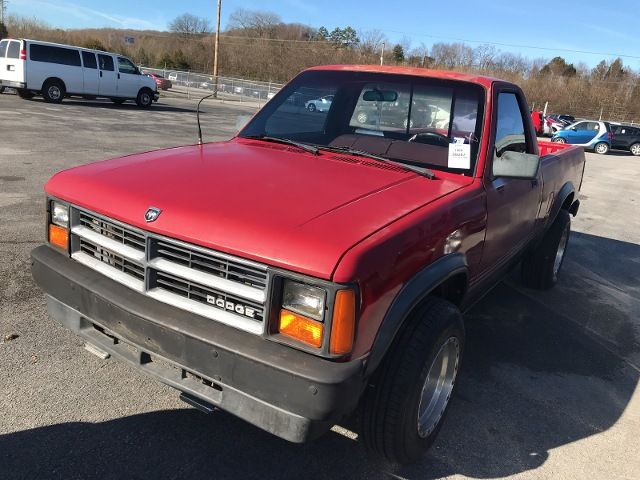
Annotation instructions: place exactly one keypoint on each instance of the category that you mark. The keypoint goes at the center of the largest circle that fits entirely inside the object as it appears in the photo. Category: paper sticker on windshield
(459, 155)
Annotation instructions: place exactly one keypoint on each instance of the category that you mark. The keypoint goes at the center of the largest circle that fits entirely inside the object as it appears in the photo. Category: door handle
(534, 182)
(118, 76)
(500, 188)
(100, 73)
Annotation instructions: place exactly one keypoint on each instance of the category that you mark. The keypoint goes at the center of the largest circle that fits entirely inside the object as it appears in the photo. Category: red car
(161, 82)
(313, 264)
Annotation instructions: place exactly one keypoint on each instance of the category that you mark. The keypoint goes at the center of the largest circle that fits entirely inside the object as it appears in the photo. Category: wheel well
(54, 79)
(452, 289)
(568, 202)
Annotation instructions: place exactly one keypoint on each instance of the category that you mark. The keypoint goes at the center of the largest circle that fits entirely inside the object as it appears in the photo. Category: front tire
(144, 98)
(602, 148)
(635, 149)
(53, 91)
(541, 266)
(405, 406)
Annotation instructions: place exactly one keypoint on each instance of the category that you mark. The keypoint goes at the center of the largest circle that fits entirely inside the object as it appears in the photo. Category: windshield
(419, 121)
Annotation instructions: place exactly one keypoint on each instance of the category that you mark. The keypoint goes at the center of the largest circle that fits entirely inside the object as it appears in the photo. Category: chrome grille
(120, 234)
(228, 289)
(210, 264)
(112, 259)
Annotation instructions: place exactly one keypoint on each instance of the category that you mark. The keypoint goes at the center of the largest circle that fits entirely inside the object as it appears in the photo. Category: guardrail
(229, 88)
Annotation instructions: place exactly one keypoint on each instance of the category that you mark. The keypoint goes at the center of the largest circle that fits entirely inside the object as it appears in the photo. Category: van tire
(390, 413)
(53, 91)
(25, 94)
(118, 101)
(541, 266)
(2, 89)
(144, 98)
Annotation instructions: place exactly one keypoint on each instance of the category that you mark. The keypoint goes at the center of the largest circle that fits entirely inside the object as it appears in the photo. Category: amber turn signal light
(301, 328)
(344, 322)
(58, 236)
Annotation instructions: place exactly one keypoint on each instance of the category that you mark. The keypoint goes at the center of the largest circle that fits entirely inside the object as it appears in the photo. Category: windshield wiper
(285, 141)
(425, 172)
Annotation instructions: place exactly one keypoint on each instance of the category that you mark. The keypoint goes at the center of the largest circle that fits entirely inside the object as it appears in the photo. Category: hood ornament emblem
(152, 214)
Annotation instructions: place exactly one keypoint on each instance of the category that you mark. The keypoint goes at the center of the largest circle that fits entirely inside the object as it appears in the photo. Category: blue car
(592, 135)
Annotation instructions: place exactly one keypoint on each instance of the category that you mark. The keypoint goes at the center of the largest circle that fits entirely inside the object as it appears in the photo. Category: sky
(578, 30)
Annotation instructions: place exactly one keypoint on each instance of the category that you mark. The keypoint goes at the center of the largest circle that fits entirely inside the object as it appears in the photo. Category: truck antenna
(198, 117)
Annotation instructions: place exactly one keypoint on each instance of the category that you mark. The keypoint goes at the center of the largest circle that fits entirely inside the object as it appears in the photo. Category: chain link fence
(229, 88)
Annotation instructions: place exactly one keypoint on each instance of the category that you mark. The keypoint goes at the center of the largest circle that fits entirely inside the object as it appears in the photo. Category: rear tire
(602, 148)
(558, 140)
(541, 266)
(144, 98)
(2, 90)
(25, 94)
(405, 405)
(635, 149)
(311, 107)
(53, 91)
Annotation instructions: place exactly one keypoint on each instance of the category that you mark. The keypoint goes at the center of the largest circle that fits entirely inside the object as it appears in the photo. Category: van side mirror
(516, 165)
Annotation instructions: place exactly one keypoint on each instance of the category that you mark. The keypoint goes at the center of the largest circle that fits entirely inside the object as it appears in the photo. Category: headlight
(303, 299)
(60, 214)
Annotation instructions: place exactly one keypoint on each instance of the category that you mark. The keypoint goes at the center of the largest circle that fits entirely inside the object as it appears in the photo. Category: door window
(13, 51)
(105, 62)
(581, 126)
(89, 60)
(3, 48)
(126, 66)
(593, 126)
(510, 134)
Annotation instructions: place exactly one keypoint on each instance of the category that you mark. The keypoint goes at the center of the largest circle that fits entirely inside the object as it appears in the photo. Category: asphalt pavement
(548, 387)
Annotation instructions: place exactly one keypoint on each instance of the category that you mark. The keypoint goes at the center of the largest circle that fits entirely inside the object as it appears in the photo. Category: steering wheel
(431, 138)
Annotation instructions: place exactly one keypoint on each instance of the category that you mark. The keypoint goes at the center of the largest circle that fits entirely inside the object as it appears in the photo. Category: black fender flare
(413, 292)
(566, 190)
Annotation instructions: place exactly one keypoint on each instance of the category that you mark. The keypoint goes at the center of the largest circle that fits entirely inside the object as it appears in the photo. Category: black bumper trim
(287, 392)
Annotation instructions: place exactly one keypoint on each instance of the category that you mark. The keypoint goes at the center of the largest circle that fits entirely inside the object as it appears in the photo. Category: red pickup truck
(316, 264)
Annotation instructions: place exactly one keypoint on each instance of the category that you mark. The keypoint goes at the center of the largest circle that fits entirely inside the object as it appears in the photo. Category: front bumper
(284, 391)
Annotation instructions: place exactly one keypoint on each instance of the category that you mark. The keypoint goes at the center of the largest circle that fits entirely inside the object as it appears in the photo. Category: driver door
(128, 78)
(512, 203)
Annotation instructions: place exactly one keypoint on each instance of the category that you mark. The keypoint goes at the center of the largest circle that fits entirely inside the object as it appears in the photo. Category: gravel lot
(548, 389)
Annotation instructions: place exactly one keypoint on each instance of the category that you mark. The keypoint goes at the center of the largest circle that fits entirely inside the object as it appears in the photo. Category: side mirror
(574, 129)
(516, 165)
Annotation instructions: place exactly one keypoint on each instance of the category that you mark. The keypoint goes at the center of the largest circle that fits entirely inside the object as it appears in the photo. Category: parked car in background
(161, 82)
(626, 138)
(57, 71)
(537, 118)
(321, 104)
(592, 135)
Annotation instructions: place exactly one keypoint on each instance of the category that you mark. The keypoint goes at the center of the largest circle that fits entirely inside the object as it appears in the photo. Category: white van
(55, 71)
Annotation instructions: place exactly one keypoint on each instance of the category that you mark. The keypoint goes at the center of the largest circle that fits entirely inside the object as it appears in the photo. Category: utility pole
(216, 46)
(382, 54)
(3, 6)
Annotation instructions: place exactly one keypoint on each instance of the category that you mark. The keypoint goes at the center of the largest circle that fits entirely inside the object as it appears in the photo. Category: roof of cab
(419, 72)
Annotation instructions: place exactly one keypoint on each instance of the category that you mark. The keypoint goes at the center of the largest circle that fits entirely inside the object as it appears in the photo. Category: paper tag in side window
(459, 156)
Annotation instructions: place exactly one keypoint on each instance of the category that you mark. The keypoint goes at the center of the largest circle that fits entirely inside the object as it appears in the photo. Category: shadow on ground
(531, 382)
(107, 104)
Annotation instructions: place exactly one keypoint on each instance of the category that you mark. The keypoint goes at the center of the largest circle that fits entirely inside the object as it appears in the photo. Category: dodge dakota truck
(314, 268)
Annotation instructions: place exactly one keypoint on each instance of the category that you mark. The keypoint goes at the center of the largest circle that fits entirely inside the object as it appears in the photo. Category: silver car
(321, 104)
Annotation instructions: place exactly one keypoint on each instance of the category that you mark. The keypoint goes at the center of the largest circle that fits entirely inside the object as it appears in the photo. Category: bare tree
(254, 22)
(371, 41)
(187, 24)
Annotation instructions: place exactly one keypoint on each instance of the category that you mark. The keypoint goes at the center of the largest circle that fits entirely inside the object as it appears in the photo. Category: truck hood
(268, 202)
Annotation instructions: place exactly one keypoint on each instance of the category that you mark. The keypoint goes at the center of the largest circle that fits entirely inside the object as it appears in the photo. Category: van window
(59, 55)
(105, 62)
(125, 66)
(89, 60)
(14, 50)
(3, 48)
